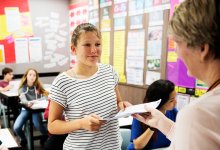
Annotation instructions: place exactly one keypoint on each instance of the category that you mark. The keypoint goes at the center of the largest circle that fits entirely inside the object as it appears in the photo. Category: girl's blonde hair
(82, 28)
(37, 82)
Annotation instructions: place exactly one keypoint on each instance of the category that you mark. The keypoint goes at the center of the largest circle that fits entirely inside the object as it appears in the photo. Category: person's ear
(204, 53)
(73, 50)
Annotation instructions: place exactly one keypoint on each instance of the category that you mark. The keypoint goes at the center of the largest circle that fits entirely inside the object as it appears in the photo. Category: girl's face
(171, 103)
(31, 77)
(88, 49)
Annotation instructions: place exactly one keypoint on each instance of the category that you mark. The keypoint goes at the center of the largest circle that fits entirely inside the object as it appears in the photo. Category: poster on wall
(93, 11)
(54, 39)
(119, 23)
(154, 46)
(35, 49)
(152, 76)
(78, 14)
(156, 5)
(200, 88)
(105, 3)
(105, 57)
(136, 7)
(120, 9)
(21, 50)
(156, 18)
(135, 55)
(119, 54)
(153, 63)
(2, 55)
(12, 19)
(136, 22)
(15, 22)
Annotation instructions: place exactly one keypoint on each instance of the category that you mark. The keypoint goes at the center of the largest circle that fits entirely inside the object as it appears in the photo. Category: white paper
(152, 76)
(21, 50)
(40, 104)
(7, 139)
(35, 49)
(135, 109)
(12, 18)
(182, 100)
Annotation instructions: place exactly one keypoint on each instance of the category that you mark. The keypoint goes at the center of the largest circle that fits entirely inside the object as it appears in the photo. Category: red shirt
(3, 84)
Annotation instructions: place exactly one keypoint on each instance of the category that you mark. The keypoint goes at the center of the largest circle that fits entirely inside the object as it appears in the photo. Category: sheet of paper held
(134, 109)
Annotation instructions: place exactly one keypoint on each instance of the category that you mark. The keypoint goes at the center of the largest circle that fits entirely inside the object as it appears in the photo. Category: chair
(3, 108)
(126, 134)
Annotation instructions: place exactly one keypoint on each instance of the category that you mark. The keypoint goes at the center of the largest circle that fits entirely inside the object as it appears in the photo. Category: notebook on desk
(40, 104)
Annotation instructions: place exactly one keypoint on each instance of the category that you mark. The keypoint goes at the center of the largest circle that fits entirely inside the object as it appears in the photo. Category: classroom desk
(39, 109)
(11, 100)
(125, 122)
(10, 97)
(8, 139)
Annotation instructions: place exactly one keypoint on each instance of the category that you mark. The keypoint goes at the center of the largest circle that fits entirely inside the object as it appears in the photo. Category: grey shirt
(29, 94)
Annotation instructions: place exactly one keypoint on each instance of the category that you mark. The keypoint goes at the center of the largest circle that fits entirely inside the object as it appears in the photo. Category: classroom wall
(47, 15)
(116, 53)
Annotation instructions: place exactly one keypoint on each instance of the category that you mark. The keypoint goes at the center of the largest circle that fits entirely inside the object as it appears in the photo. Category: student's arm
(57, 126)
(139, 138)
(121, 104)
(4, 89)
(22, 97)
(141, 141)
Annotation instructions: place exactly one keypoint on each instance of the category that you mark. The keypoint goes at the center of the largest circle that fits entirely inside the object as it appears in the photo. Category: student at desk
(7, 74)
(143, 137)
(30, 90)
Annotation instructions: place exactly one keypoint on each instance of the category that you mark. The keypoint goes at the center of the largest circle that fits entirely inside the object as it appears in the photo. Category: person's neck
(83, 70)
(29, 84)
(6, 80)
(212, 73)
(163, 110)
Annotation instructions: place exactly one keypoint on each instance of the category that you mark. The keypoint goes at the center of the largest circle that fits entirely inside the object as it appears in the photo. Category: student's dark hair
(82, 28)
(6, 70)
(159, 89)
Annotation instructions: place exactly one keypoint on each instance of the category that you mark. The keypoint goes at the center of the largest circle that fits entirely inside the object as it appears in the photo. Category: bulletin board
(134, 38)
(34, 34)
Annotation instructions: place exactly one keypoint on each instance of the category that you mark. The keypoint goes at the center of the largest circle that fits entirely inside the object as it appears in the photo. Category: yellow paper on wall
(105, 47)
(172, 56)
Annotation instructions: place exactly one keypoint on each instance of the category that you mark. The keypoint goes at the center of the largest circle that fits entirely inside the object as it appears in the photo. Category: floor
(37, 145)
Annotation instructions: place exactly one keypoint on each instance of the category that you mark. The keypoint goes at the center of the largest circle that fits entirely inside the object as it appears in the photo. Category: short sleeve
(57, 94)
(115, 75)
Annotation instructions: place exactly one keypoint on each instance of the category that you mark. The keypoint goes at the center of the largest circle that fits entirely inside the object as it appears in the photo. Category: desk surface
(8, 138)
(125, 121)
(14, 92)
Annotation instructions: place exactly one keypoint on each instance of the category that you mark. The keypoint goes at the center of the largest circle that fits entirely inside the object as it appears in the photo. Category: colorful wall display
(15, 22)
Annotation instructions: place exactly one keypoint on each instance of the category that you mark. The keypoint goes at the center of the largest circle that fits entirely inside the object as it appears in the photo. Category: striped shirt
(81, 97)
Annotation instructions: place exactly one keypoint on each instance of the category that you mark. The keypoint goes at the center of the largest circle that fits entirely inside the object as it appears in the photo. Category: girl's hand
(123, 104)
(30, 104)
(91, 123)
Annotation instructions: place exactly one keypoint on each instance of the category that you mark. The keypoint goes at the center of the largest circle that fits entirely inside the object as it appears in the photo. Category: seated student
(54, 142)
(143, 137)
(30, 90)
(7, 74)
